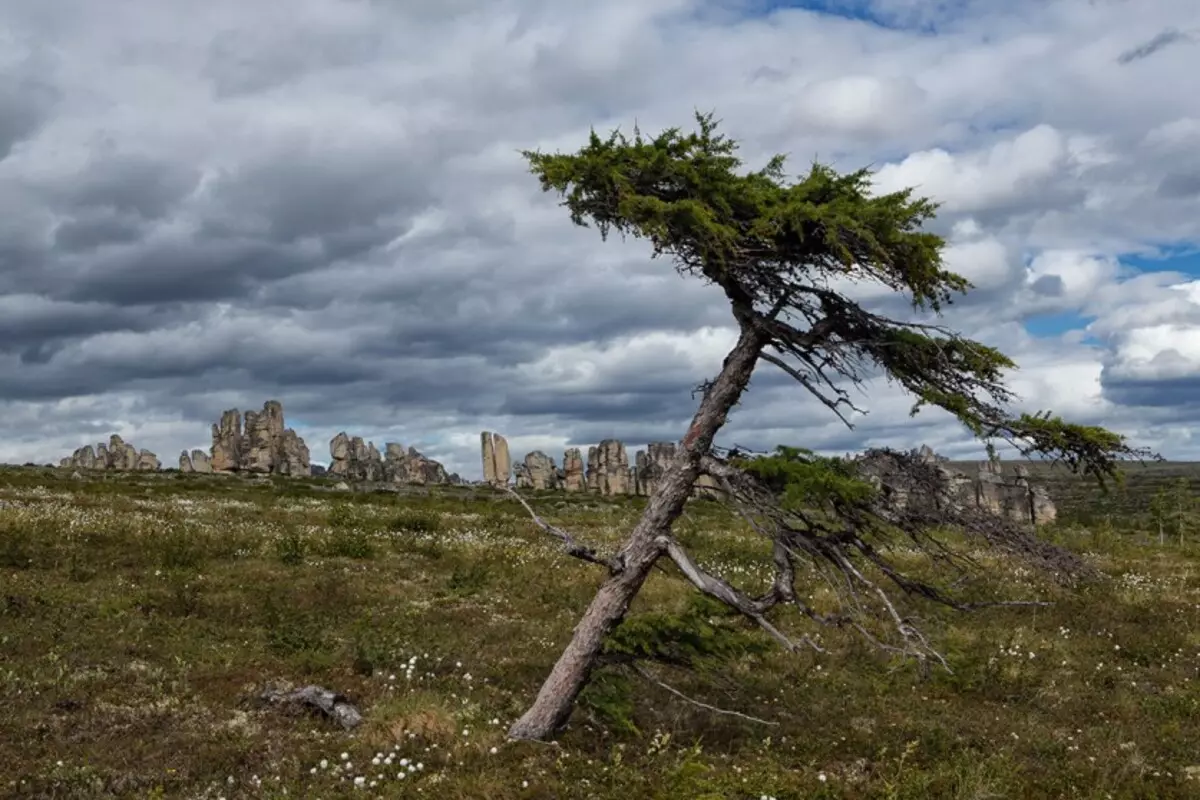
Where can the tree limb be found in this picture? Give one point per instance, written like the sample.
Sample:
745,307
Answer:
570,546
716,588
645,673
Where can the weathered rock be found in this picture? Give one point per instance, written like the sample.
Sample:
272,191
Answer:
185,462
650,464
355,460
261,445
227,442
497,465
147,462
411,467
537,472
608,468
117,455
989,489
359,460
201,462
573,474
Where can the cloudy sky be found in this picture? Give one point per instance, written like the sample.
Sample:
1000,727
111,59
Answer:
206,205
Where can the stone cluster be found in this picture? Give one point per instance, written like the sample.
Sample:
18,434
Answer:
257,442
117,455
353,459
989,488
605,471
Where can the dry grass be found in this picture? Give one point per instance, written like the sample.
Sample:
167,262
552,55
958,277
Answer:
139,616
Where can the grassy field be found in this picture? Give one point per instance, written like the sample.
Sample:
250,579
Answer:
140,616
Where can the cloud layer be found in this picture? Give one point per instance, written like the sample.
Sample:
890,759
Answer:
206,206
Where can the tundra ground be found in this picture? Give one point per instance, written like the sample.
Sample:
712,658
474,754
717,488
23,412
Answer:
140,615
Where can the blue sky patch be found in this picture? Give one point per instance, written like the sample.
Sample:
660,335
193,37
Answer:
862,10
1176,258
1047,326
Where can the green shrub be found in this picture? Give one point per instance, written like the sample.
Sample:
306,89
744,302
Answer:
290,549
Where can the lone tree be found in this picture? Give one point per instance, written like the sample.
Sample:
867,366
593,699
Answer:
780,250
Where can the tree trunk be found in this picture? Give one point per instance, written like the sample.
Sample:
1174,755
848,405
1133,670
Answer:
556,699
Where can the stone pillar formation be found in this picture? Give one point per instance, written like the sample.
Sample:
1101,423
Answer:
497,467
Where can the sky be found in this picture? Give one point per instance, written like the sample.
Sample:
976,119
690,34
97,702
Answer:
209,205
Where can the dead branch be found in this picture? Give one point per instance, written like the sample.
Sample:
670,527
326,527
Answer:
570,546
720,590
645,673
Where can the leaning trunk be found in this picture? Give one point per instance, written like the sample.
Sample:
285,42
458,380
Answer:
556,699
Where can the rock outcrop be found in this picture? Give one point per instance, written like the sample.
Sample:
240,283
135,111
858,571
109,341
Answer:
649,466
354,459
195,461
496,463
259,443
538,472
573,470
117,455
989,489
608,468
606,471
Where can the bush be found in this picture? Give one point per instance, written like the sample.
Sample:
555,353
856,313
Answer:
290,549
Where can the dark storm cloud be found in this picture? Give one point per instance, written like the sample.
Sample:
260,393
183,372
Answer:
26,102
1181,184
32,324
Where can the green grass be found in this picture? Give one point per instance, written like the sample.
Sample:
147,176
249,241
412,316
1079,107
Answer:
140,615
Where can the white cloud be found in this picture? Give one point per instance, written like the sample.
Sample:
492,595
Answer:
325,203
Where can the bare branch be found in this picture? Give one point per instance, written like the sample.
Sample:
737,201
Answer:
645,673
570,546
716,588
832,403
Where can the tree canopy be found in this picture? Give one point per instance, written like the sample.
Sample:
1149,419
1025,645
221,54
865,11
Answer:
784,252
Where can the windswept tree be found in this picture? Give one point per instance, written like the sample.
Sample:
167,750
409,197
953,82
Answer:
781,251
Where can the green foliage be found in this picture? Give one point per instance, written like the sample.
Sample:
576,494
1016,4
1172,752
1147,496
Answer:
468,579
683,193
347,543
704,632
773,243
800,479
609,696
290,549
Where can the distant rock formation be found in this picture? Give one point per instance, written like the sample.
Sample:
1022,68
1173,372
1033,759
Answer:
494,453
607,472
196,461
117,455
538,472
354,459
261,445
649,466
989,489
573,471
608,469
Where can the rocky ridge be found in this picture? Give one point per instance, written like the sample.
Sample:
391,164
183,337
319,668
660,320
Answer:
353,459
117,455
607,471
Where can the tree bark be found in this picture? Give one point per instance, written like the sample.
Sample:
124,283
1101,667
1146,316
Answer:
556,699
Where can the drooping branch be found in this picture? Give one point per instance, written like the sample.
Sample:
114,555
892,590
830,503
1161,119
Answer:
840,519
570,546
645,673
718,589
